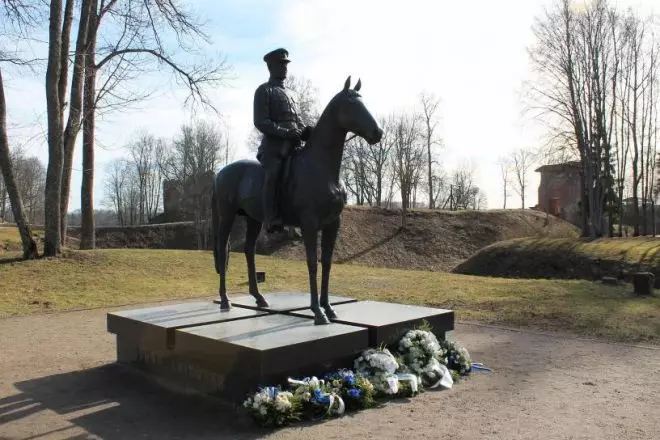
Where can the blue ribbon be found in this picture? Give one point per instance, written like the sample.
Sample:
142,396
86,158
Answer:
478,366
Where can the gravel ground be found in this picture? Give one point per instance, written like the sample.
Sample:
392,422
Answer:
58,381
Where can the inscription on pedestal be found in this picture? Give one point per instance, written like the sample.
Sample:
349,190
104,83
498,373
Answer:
254,352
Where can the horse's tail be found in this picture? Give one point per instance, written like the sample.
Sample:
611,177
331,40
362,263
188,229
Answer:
215,223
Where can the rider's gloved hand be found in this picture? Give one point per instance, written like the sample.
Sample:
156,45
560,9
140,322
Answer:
306,133
293,134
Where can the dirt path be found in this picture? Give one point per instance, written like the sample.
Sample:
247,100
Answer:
57,381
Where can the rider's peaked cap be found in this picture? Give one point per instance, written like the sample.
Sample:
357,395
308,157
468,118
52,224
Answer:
281,55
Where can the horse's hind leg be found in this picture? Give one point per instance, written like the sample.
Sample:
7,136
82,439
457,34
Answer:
253,229
222,250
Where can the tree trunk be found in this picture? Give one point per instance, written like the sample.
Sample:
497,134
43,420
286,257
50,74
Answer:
3,203
29,246
52,221
73,122
87,229
430,172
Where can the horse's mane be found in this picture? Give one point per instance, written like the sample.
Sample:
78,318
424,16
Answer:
326,113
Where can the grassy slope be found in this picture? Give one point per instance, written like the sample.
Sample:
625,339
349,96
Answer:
566,258
433,240
120,276
370,236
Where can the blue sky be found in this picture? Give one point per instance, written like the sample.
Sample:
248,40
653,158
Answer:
470,54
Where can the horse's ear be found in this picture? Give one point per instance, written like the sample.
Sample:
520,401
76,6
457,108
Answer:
347,84
358,85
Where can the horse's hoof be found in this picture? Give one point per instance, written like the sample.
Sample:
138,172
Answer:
225,305
330,312
321,320
261,301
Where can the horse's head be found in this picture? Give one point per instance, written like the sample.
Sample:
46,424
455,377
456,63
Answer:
353,115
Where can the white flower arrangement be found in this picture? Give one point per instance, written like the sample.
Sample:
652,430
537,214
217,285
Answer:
317,398
272,407
421,361
420,351
379,366
456,357
376,360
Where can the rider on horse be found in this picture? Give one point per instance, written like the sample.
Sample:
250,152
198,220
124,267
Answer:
276,117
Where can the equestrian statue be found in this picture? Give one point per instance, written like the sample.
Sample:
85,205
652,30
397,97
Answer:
290,184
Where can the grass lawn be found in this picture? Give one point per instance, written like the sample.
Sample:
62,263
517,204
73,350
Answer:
112,277
634,250
565,258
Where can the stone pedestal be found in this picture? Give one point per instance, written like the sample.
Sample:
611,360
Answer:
388,322
195,346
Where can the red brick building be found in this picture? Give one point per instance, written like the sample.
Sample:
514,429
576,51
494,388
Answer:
559,191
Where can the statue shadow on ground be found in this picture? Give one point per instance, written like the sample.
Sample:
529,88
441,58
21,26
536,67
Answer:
10,260
349,258
114,402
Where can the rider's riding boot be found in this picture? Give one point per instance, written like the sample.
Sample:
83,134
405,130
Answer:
272,221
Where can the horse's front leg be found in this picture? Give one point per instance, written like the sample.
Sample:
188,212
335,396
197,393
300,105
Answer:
328,240
253,229
309,237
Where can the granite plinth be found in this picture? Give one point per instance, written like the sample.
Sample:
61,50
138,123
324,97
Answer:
154,326
243,355
387,322
196,346
283,302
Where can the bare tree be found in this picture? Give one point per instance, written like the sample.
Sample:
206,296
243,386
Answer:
430,120
139,36
226,147
504,164
464,193
29,246
22,15
576,59
253,140
366,169
3,199
75,104
30,175
408,151
194,158
521,160
53,194
144,153
354,172
305,96
640,75
116,181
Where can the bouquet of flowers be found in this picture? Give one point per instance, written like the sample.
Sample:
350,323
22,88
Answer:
355,389
420,352
316,398
272,407
456,357
378,365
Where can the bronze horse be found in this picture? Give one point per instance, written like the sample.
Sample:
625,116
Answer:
311,197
